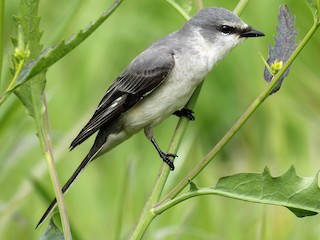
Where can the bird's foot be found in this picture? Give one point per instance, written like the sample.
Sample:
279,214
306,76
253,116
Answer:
185,112
166,157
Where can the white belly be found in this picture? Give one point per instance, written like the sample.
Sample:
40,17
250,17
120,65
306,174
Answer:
172,95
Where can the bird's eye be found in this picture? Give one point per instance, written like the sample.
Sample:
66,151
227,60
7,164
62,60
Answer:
226,29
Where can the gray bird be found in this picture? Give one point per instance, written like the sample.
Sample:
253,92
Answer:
159,82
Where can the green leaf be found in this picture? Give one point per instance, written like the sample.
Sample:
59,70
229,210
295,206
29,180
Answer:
300,195
30,94
29,21
314,6
52,54
29,35
52,232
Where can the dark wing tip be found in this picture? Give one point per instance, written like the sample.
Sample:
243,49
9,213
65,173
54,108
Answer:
77,141
48,211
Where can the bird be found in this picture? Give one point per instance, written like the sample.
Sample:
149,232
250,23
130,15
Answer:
158,83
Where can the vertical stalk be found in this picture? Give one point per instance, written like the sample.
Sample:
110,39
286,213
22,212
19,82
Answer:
42,125
240,7
47,148
147,214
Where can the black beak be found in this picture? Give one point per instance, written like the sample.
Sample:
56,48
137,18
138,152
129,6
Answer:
251,32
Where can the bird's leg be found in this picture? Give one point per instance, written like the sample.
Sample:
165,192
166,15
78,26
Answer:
185,112
165,156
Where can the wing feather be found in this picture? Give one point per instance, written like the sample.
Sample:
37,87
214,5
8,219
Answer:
127,90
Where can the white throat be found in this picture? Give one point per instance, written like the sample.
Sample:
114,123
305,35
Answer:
214,51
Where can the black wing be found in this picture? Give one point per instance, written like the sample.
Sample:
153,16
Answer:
141,77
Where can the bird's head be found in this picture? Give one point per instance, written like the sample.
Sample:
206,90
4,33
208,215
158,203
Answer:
221,26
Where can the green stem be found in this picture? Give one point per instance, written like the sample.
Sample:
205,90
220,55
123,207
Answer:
148,214
183,124
199,192
42,125
199,4
12,82
179,9
16,74
256,103
240,7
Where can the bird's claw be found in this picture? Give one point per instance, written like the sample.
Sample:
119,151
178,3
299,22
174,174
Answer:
185,112
166,158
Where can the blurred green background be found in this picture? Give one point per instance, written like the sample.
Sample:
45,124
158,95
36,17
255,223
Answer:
111,192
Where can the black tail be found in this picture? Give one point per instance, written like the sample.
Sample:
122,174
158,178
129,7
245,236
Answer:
65,188
95,149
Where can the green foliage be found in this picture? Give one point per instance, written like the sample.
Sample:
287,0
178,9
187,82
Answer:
284,132
300,195
31,93
29,20
52,54
27,46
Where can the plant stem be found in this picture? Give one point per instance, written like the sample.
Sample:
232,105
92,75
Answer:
42,125
13,81
199,4
179,9
147,214
192,102
256,103
240,7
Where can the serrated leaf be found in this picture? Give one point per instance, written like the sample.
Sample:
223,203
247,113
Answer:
300,195
52,54
27,23
284,46
52,232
